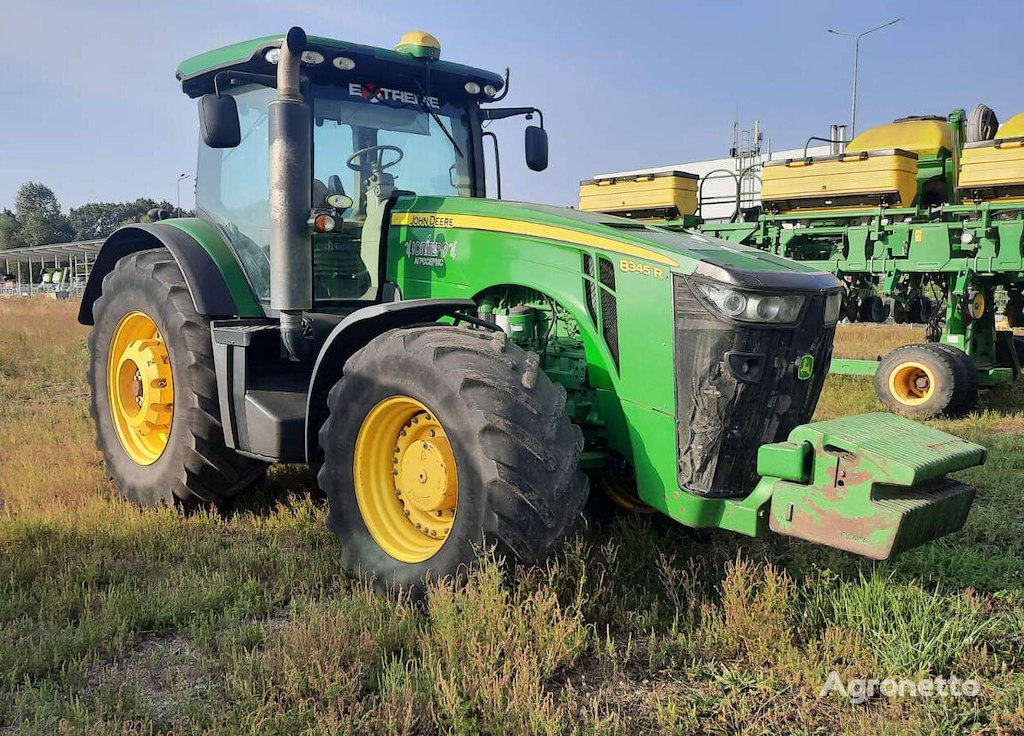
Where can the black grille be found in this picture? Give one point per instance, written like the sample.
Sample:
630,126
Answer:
736,389
591,287
609,308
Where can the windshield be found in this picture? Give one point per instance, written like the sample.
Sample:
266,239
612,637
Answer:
414,127
424,141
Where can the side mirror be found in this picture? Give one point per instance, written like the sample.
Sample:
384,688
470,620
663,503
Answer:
218,121
536,148
158,213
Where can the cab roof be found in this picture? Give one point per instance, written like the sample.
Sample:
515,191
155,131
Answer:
196,73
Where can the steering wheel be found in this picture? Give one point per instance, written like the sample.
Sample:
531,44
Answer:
355,164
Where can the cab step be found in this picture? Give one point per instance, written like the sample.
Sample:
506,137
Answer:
262,394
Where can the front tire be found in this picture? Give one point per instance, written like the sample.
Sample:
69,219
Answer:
925,381
154,390
442,441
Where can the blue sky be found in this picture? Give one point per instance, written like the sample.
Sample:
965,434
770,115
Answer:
92,107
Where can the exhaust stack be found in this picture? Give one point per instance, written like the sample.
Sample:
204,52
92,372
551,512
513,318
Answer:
291,256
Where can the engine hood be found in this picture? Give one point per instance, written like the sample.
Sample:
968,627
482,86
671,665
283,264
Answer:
686,252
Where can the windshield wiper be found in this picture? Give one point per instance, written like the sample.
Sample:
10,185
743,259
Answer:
421,100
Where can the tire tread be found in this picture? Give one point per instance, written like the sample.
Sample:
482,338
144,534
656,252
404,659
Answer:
209,471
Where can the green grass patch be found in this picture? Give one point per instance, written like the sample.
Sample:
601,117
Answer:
115,620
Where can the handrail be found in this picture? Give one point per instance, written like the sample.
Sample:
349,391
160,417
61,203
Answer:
823,140
710,175
737,197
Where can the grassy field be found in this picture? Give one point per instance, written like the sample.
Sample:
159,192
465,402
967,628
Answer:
115,620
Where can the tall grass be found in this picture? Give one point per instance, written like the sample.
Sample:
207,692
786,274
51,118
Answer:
116,620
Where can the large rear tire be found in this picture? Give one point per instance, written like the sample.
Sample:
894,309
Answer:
154,390
442,441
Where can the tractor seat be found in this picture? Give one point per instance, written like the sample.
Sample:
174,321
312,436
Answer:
338,268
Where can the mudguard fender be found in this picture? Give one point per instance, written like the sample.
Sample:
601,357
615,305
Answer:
355,332
210,290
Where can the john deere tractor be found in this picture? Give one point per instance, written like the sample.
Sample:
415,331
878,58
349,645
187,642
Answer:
456,369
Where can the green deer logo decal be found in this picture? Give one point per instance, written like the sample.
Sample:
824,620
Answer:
805,368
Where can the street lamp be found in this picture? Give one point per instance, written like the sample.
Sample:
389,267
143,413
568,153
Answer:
181,178
856,58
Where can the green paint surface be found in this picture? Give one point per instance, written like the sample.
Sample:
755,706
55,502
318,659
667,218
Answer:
875,483
214,243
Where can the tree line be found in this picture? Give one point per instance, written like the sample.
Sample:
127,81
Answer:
37,218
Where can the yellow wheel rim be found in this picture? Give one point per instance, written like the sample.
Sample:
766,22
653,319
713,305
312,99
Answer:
911,383
623,494
140,389
978,306
406,482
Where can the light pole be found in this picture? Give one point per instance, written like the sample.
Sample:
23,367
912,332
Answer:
856,59
181,178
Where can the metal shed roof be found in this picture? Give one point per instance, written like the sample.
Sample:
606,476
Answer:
60,251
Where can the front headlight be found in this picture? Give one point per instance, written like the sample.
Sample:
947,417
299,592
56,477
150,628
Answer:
753,306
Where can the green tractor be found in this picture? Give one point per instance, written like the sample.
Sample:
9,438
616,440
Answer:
457,369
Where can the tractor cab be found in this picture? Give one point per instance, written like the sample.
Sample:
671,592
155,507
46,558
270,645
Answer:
383,122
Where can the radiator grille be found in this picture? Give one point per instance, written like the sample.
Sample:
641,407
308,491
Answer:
721,421
590,286
609,308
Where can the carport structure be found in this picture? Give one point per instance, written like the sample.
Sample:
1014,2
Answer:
60,269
